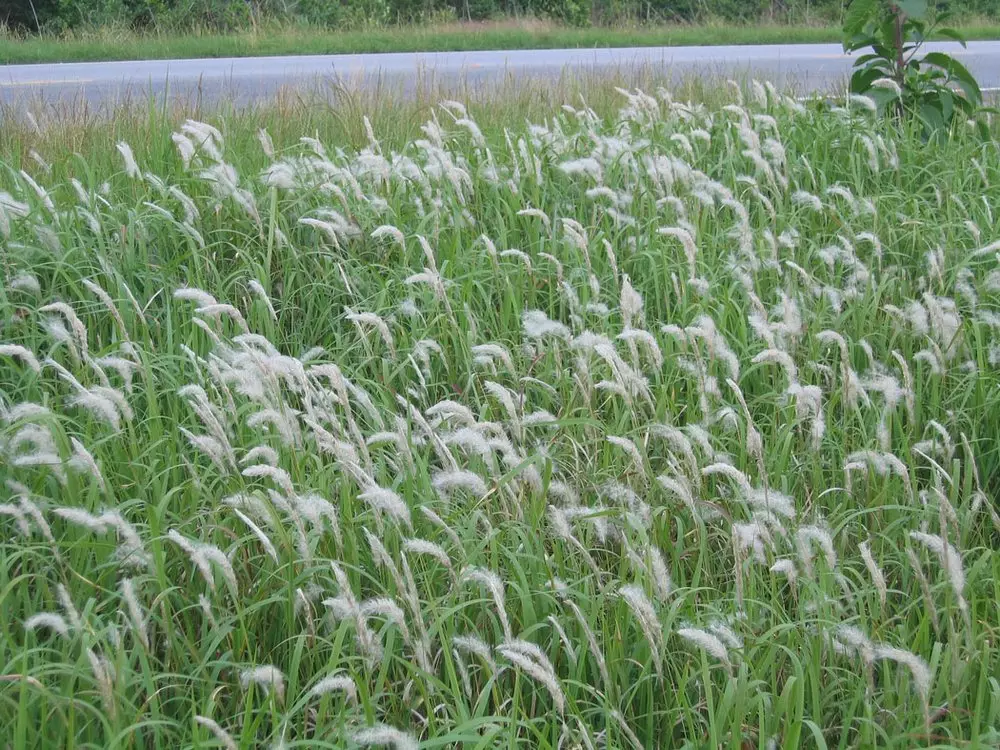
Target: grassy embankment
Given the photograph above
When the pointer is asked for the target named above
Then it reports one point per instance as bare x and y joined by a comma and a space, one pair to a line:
119, 44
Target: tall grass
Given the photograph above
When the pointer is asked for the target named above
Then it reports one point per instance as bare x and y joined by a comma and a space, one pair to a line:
652, 425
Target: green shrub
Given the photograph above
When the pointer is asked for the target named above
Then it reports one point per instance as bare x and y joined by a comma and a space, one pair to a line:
932, 87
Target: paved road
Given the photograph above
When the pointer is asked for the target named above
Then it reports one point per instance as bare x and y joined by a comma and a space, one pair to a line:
804, 67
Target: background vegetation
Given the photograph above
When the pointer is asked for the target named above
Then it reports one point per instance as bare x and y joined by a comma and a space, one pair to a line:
230, 15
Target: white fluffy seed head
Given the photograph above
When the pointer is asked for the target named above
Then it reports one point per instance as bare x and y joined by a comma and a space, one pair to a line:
786, 568
203, 556
82, 518
20, 520
659, 573
49, 620
390, 232
335, 684
645, 615
66, 602
806, 537
103, 672
223, 737
383, 734
135, 613
919, 670
447, 482
536, 325
431, 549
532, 660
472, 644
726, 634
708, 642
131, 167
23, 355
267, 676
851, 641
191, 294
494, 584
258, 289
878, 579
948, 556
386, 501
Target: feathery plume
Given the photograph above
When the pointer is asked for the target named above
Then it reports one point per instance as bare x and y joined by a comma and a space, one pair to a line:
203, 556
257, 288
494, 585
645, 615
220, 734
383, 734
268, 677
50, 621
919, 670
874, 571
259, 533
23, 355
386, 501
950, 560
135, 612
335, 684
103, 672
709, 643
446, 482
786, 568
532, 660
537, 325
131, 167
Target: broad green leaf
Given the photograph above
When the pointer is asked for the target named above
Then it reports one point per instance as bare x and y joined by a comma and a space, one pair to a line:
860, 41
884, 51
858, 15
947, 99
865, 59
915, 30
881, 68
958, 72
861, 81
930, 115
887, 34
954, 34
883, 98
963, 104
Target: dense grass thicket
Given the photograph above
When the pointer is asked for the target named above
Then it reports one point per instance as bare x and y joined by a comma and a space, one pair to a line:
669, 427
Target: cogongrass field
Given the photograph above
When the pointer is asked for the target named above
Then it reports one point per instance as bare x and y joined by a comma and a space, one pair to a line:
668, 425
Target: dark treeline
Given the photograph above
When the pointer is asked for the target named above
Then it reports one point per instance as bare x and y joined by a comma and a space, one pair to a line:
226, 15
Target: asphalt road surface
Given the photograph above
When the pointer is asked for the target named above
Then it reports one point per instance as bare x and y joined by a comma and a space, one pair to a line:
804, 68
